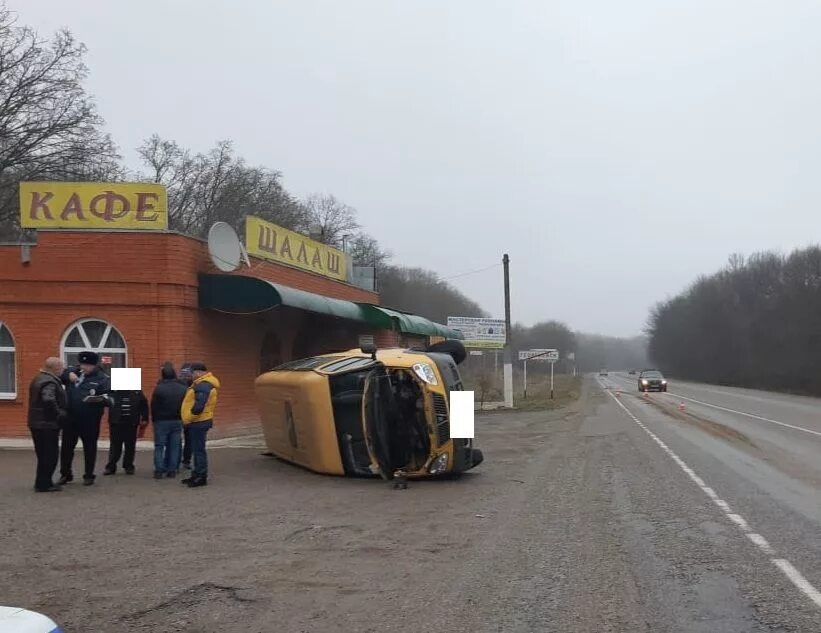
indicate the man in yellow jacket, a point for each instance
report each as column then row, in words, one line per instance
column 197, row 415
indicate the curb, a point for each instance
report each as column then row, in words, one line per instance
column 239, row 441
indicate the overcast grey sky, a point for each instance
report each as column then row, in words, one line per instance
column 616, row 150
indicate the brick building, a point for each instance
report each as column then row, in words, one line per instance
column 140, row 298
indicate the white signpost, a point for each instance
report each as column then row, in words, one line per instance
column 548, row 355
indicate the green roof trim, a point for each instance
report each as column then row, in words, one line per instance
column 406, row 323
column 238, row 294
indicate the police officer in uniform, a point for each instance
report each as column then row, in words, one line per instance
column 86, row 387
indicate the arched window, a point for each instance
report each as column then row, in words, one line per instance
column 8, row 364
column 97, row 336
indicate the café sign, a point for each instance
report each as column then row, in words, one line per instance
column 274, row 243
column 93, row 205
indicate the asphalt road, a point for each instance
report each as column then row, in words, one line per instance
column 618, row 513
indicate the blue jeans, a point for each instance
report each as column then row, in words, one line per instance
column 198, row 432
column 167, row 445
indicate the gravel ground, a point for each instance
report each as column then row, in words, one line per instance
column 575, row 522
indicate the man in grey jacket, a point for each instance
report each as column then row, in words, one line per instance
column 46, row 415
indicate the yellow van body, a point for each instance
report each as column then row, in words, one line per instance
column 360, row 414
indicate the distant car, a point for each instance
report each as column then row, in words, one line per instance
column 652, row 380
column 603, row 372
column 632, row 372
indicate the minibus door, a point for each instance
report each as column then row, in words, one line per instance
column 378, row 407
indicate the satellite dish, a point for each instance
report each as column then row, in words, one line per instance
column 224, row 247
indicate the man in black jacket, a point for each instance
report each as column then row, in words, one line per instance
column 86, row 387
column 127, row 411
column 166, row 403
column 47, row 412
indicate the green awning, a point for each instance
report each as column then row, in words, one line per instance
column 406, row 323
column 239, row 294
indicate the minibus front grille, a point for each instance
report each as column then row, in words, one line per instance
column 440, row 410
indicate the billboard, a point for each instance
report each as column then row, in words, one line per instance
column 274, row 243
column 480, row 332
column 93, row 205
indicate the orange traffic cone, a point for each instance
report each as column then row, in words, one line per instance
column 681, row 407
column 618, row 392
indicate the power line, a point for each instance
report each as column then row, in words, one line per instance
column 470, row 272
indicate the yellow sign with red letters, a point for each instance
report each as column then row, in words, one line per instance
column 269, row 241
column 93, row 205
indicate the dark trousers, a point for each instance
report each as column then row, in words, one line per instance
column 167, row 445
column 186, row 447
column 198, row 432
column 47, row 449
column 122, row 436
column 89, row 433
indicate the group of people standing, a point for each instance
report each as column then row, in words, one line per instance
column 72, row 401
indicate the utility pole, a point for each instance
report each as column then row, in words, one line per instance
column 551, row 379
column 508, row 354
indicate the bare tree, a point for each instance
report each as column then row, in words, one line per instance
column 49, row 127
column 421, row 291
column 217, row 186
column 364, row 250
column 329, row 219
column 485, row 383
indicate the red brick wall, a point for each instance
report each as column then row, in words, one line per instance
column 387, row 338
column 145, row 284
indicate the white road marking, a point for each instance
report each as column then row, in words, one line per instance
column 737, row 412
column 739, row 521
column 794, row 576
column 762, row 543
column 749, row 415
column 722, row 504
column 798, row 580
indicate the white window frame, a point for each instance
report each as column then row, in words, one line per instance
column 10, row 395
column 64, row 351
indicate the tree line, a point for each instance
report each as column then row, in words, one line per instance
column 592, row 351
column 51, row 130
column 753, row 324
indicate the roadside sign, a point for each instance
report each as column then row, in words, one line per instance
column 480, row 332
column 476, row 352
column 571, row 356
column 550, row 355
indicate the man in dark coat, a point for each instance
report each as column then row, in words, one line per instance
column 128, row 410
column 47, row 412
column 166, row 404
column 86, row 387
